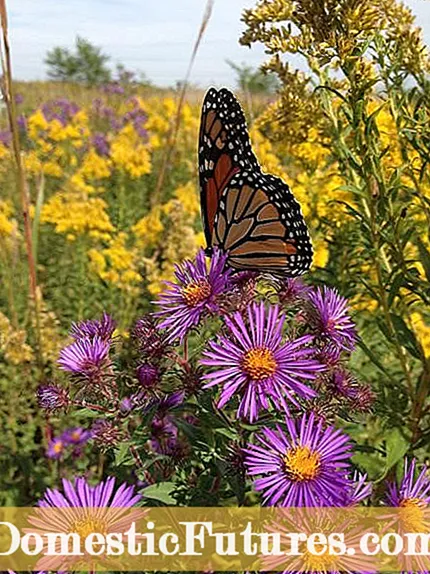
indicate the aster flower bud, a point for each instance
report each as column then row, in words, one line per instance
column 149, row 340
column 106, row 434
column 364, row 399
column 126, row 405
column 52, row 397
column 148, row 375
column 293, row 290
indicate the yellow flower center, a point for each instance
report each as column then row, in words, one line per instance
column 196, row 292
column 58, row 447
column 411, row 514
column 325, row 562
column 89, row 525
column 301, row 464
column 259, row 363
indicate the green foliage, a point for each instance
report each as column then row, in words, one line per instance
column 86, row 65
column 254, row 81
column 368, row 93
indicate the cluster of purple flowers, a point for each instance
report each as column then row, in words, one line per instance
column 277, row 354
column 5, row 137
column 71, row 441
column 61, row 109
column 105, row 113
column 137, row 117
column 101, row 144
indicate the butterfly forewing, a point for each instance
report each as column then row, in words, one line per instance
column 224, row 149
column 250, row 215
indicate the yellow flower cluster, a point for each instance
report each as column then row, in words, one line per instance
column 7, row 224
column 51, row 340
column 13, row 343
column 422, row 331
column 167, row 234
column 117, row 263
column 129, row 154
column 74, row 215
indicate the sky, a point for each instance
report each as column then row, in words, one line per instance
column 152, row 36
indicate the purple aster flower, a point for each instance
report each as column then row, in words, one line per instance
column 56, row 448
column 256, row 365
column 359, row 490
column 331, row 318
column 103, row 508
column 52, row 397
column 76, row 436
column 184, row 304
column 412, row 491
column 412, row 497
column 101, row 110
column 148, row 375
column 85, row 357
column 103, row 328
column 305, row 466
column 171, row 401
column 19, row 98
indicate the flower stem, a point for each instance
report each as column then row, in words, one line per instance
column 9, row 97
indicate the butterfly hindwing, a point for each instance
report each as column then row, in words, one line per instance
column 260, row 225
column 224, row 149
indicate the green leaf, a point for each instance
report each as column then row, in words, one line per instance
column 122, row 453
column 37, row 211
column 424, row 257
column 89, row 413
column 372, row 357
column 397, row 446
column 161, row 492
column 231, row 434
column 397, row 282
column 406, row 336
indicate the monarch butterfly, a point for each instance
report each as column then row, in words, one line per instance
column 250, row 215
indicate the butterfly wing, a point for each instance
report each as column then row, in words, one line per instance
column 251, row 215
column 224, row 150
column 261, row 227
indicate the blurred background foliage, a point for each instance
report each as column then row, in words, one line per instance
column 350, row 135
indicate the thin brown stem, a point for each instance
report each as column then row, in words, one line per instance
column 174, row 130
column 9, row 97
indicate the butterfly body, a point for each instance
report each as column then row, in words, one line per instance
column 250, row 215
